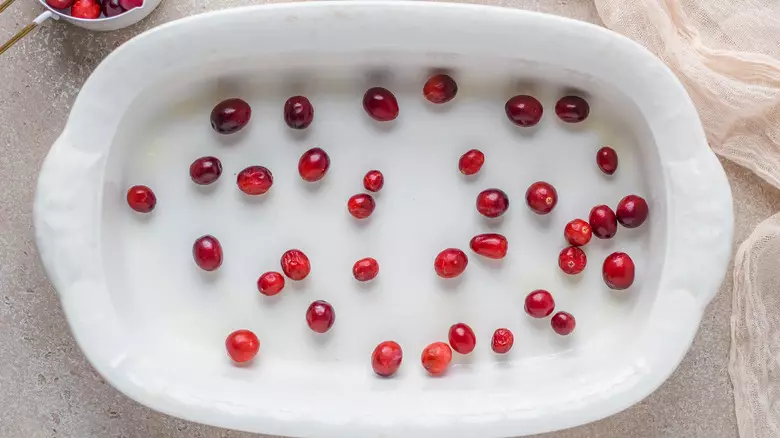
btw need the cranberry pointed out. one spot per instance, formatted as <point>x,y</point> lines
<point>563,323</point>
<point>386,358</point>
<point>572,260</point>
<point>502,341</point>
<point>493,246</point>
<point>141,199</point>
<point>632,211</point>
<point>270,283</point>
<point>365,269</point>
<point>603,222</point>
<point>492,203</point>
<point>440,89</point>
<point>572,109</point>
<point>60,4</point>
<point>313,165</point>
<point>380,104</point>
<point>436,358</point>
<point>541,197</point>
<point>373,181</point>
<point>206,170</point>
<point>607,160</point>
<point>578,232</point>
<point>242,345</point>
<point>131,4</point>
<point>255,180</point>
<point>207,253</point>
<point>298,112</point>
<point>320,316</point>
<point>450,263</point>
<point>361,205</point>
<point>539,303</point>
<point>618,271</point>
<point>471,162</point>
<point>462,338</point>
<point>295,264</point>
<point>86,9</point>
<point>524,110</point>
<point>112,8</point>
<point>230,116</point>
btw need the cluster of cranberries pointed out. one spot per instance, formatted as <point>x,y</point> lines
<point>93,9</point>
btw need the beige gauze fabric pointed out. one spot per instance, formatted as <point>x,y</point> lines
<point>727,54</point>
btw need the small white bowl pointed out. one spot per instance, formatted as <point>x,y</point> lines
<point>105,23</point>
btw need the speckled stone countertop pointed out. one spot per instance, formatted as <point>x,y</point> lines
<point>47,389</point>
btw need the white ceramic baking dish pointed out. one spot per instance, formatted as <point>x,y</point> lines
<point>154,325</point>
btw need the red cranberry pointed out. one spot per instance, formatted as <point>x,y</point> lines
<point>572,260</point>
<point>242,345</point>
<point>374,181</point>
<point>131,4</point>
<point>440,89</point>
<point>365,269</point>
<point>450,263</point>
<point>380,104</point>
<point>618,271</point>
<point>578,232</point>
<point>207,253</point>
<point>313,165</point>
<point>270,283</point>
<point>493,246</point>
<point>541,197</point>
<point>492,203</point>
<point>112,8</point>
<point>320,316</point>
<point>462,338</point>
<point>255,180</point>
<point>502,341</point>
<point>572,109</point>
<point>298,112</point>
<point>632,211</point>
<point>539,303</point>
<point>607,160</point>
<point>436,358</point>
<point>563,323</point>
<point>230,116</point>
<point>471,162</point>
<point>524,110</point>
<point>386,358</point>
<point>60,4</point>
<point>295,264</point>
<point>141,199</point>
<point>361,205</point>
<point>206,170</point>
<point>86,9</point>
<point>603,222</point>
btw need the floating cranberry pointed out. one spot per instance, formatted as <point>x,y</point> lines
<point>386,358</point>
<point>492,203</point>
<point>539,303</point>
<point>632,211</point>
<point>471,162</point>
<point>541,197</point>
<point>230,116</point>
<point>255,180</point>
<point>320,316</point>
<point>524,110</point>
<point>572,109</point>
<point>206,170</point>
<point>374,181</point>
<point>380,104</point>
<point>313,165</point>
<point>85,9</point>
<point>361,205</point>
<point>618,271</point>
<point>578,232</point>
<point>131,4</point>
<point>493,246</point>
<point>450,263</point>
<point>572,260</point>
<point>440,89</point>
<point>607,160</point>
<point>270,283</point>
<point>298,112</point>
<point>207,253</point>
<point>141,199</point>
<point>603,222</point>
<point>295,265</point>
<point>462,338</point>
<point>112,8</point>
<point>563,323</point>
<point>436,358</point>
<point>502,341</point>
<point>365,269</point>
<point>242,345</point>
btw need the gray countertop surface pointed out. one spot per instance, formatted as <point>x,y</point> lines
<point>47,388</point>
